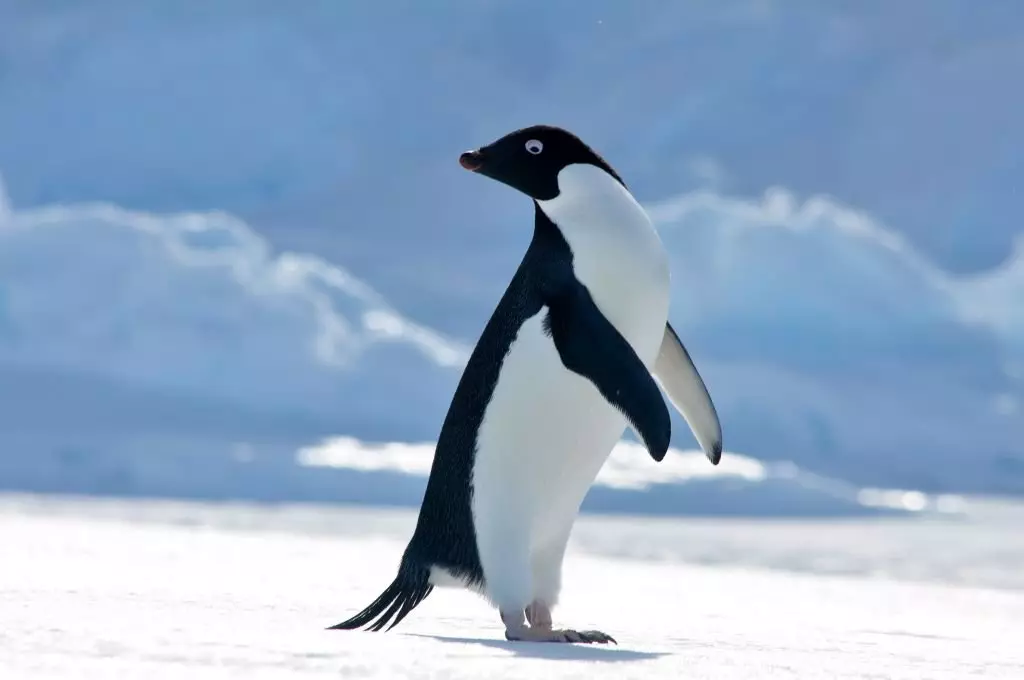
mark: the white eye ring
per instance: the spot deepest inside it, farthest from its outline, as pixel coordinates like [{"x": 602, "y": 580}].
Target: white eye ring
[{"x": 534, "y": 146}]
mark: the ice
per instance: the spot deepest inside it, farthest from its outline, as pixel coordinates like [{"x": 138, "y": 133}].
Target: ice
[
  {"x": 109, "y": 590},
  {"x": 682, "y": 483},
  {"x": 808, "y": 321},
  {"x": 112, "y": 320}
]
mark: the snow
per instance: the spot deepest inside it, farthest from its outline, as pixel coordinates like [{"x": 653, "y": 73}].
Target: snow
[
  {"x": 117, "y": 589},
  {"x": 240, "y": 268}
]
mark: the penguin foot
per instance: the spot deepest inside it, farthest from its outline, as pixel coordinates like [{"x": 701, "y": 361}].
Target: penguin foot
[
  {"x": 530, "y": 634},
  {"x": 538, "y": 615},
  {"x": 540, "y": 630}
]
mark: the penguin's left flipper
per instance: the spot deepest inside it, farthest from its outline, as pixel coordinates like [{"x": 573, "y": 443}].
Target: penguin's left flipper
[
  {"x": 592, "y": 347},
  {"x": 685, "y": 388}
]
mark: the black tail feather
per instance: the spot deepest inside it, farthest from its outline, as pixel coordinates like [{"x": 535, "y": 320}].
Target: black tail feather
[{"x": 410, "y": 587}]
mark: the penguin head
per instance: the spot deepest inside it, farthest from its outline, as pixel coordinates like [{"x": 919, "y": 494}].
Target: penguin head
[{"x": 530, "y": 159}]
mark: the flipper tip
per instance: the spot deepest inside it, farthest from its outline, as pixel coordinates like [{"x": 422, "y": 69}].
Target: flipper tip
[{"x": 715, "y": 452}]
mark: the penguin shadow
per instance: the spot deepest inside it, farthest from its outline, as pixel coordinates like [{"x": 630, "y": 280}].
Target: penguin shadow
[{"x": 553, "y": 651}]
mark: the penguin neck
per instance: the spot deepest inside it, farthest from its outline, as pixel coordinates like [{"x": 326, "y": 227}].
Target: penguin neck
[
  {"x": 604, "y": 227},
  {"x": 593, "y": 208},
  {"x": 614, "y": 251},
  {"x": 547, "y": 236}
]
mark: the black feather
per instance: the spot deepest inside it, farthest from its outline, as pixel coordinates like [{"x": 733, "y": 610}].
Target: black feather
[{"x": 410, "y": 587}]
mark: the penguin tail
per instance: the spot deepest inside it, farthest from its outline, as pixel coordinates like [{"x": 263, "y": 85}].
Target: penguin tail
[{"x": 410, "y": 587}]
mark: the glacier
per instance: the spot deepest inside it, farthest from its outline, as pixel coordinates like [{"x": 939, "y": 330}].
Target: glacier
[
  {"x": 229, "y": 236},
  {"x": 140, "y": 347}
]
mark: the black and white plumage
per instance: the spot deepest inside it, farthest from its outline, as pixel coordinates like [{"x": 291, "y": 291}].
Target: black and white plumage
[{"x": 566, "y": 362}]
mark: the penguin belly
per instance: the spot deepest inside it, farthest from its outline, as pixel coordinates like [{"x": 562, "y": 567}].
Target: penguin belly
[{"x": 544, "y": 436}]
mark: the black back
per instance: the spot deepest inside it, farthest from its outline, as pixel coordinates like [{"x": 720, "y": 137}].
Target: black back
[{"x": 444, "y": 534}]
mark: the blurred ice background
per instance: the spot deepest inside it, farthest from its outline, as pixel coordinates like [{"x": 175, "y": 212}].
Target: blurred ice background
[{"x": 238, "y": 259}]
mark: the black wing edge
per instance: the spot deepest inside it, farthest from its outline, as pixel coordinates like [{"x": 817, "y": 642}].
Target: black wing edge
[
  {"x": 410, "y": 587},
  {"x": 591, "y": 346}
]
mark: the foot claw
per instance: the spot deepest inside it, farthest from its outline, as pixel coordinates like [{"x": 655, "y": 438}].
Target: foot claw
[
  {"x": 564, "y": 635},
  {"x": 597, "y": 636}
]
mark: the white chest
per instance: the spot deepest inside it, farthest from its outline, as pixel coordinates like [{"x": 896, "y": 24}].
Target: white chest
[{"x": 617, "y": 254}]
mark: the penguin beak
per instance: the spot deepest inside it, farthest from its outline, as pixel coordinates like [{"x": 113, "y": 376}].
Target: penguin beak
[{"x": 472, "y": 160}]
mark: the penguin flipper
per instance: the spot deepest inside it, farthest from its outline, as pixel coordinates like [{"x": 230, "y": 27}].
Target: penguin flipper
[
  {"x": 589, "y": 345},
  {"x": 686, "y": 390}
]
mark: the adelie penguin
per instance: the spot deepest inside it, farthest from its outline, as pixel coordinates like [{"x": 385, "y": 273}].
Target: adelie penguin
[{"x": 567, "y": 360}]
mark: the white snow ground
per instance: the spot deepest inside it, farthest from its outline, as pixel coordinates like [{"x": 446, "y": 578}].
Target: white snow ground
[{"x": 142, "y": 589}]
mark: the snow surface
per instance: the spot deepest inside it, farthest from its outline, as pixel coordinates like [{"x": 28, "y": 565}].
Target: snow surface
[{"x": 111, "y": 589}]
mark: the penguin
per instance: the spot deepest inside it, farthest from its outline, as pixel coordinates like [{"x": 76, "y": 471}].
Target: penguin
[{"x": 572, "y": 355}]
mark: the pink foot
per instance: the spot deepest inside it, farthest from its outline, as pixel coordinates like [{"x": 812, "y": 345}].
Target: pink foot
[{"x": 540, "y": 630}]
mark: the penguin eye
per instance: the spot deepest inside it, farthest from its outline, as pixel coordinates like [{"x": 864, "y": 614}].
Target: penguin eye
[{"x": 534, "y": 146}]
